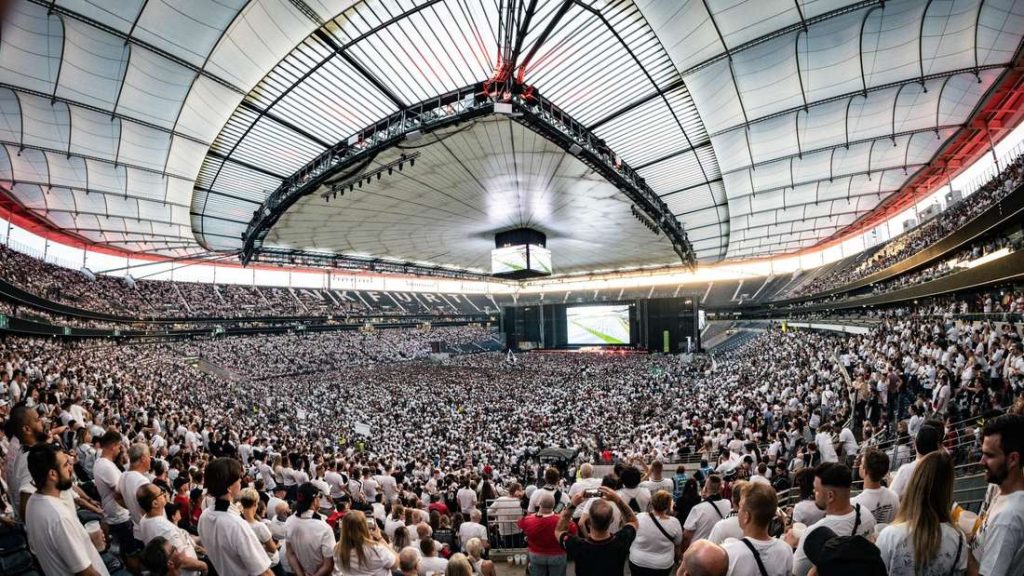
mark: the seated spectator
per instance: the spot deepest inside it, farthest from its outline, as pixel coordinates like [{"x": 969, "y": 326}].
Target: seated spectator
[
  {"x": 806, "y": 511},
  {"x": 153, "y": 501},
  {"x": 55, "y": 535}
]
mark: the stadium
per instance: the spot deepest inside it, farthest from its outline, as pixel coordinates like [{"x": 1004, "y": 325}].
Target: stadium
[{"x": 464, "y": 288}]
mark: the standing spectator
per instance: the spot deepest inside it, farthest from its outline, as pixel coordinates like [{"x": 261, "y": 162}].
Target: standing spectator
[
  {"x": 128, "y": 485},
  {"x": 107, "y": 478},
  {"x": 466, "y": 497},
  {"x": 756, "y": 552},
  {"x": 923, "y": 540},
  {"x": 506, "y": 511},
  {"x": 637, "y": 498},
  {"x": 472, "y": 528},
  {"x": 601, "y": 553},
  {"x": 832, "y": 493},
  {"x": 546, "y": 555},
  {"x": 658, "y": 539},
  {"x": 730, "y": 527},
  {"x": 927, "y": 441},
  {"x": 250, "y": 501},
  {"x": 227, "y": 537},
  {"x": 881, "y": 501},
  {"x": 310, "y": 539},
  {"x": 998, "y": 549},
  {"x": 55, "y": 535},
  {"x": 703, "y": 516},
  {"x": 704, "y": 558},
  {"x": 656, "y": 481},
  {"x": 552, "y": 478},
  {"x": 362, "y": 551}
]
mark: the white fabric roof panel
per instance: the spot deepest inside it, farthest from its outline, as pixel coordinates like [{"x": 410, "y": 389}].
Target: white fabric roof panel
[{"x": 765, "y": 99}]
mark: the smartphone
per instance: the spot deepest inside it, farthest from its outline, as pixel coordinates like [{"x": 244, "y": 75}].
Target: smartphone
[{"x": 594, "y": 493}]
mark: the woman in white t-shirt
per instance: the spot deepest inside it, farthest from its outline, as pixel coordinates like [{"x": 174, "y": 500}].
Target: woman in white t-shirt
[
  {"x": 361, "y": 550},
  {"x": 658, "y": 537},
  {"x": 923, "y": 541},
  {"x": 250, "y": 500}
]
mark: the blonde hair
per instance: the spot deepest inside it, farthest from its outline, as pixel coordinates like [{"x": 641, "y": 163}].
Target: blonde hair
[
  {"x": 458, "y": 565},
  {"x": 926, "y": 506},
  {"x": 354, "y": 537},
  {"x": 248, "y": 497},
  {"x": 474, "y": 547}
]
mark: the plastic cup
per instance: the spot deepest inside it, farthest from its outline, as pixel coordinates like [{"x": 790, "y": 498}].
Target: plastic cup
[
  {"x": 967, "y": 521},
  {"x": 798, "y": 529},
  {"x": 95, "y": 532}
]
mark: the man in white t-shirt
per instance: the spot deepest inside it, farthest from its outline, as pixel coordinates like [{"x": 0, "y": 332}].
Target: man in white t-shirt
[
  {"x": 756, "y": 548},
  {"x": 832, "y": 493},
  {"x": 926, "y": 442},
  {"x": 506, "y": 511},
  {"x": 702, "y": 517},
  {"x": 656, "y": 481},
  {"x": 135, "y": 477},
  {"x": 998, "y": 549},
  {"x": 882, "y": 502},
  {"x": 56, "y": 537},
  {"x": 473, "y": 529},
  {"x": 586, "y": 480},
  {"x": 551, "y": 480},
  {"x": 107, "y": 477},
  {"x": 825, "y": 447},
  {"x": 230, "y": 542},
  {"x": 155, "y": 523},
  {"x": 466, "y": 497},
  {"x": 28, "y": 429}
]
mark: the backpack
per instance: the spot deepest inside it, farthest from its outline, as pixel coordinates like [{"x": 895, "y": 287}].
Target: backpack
[{"x": 634, "y": 505}]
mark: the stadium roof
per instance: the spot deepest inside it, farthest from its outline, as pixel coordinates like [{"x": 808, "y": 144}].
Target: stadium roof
[{"x": 765, "y": 126}]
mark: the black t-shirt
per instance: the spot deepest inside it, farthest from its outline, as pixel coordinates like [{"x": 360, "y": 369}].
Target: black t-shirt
[{"x": 604, "y": 558}]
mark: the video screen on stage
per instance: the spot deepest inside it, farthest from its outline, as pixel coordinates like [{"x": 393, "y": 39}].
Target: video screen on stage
[{"x": 598, "y": 324}]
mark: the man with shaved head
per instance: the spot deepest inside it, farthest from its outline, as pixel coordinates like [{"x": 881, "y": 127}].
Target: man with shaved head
[
  {"x": 704, "y": 558},
  {"x": 601, "y": 553},
  {"x": 409, "y": 561}
]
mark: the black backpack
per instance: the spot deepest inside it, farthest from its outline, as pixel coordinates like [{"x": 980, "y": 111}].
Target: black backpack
[{"x": 634, "y": 505}]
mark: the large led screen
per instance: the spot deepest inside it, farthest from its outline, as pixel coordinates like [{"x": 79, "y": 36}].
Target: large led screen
[
  {"x": 598, "y": 324},
  {"x": 510, "y": 259}
]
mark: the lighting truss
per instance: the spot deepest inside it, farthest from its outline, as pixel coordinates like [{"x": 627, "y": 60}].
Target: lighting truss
[
  {"x": 331, "y": 260},
  {"x": 524, "y": 106}
]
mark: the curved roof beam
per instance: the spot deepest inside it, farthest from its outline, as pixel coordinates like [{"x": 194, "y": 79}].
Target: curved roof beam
[
  {"x": 920, "y": 42},
  {"x": 833, "y": 147},
  {"x": 870, "y": 90},
  {"x": 848, "y": 198},
  {"x": 835, "y": 176},
  {"x": 128, "y": 39},
  {"x": 96, "y": 159},
  {"x": 100, "y": 192},
  {"x": 860, "y": 50},
  {"x": 977, "y": 26}
]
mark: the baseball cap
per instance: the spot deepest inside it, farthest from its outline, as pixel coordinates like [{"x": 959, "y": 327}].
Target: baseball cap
[{"x": 834, "y": 555}]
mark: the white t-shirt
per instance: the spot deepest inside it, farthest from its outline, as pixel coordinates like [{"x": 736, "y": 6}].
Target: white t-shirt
[
  {"x": 584, "y": 484},
  {"x": 432, "y": 565},
  {"x": 725, "y": 529},
  {"x": 902, "y": 477},
  {"x": 150, "y": 528},
  {"x": 882, "y": 502},
  {"x": 807, "y": 512},
  {"x": 776, "y": 556},
  {"x": 506, "y": 511},
  {"x": 652, "y": 486},
  {"x": 58, "y": 539},
  {"x": 336, "y": 482},
  {"x": 20, "y": 480},
  {"x": 643, "y": 497},
  {"x": 379, "y": 560},
  {"x": 897, "y": 551},
  {"x": 130, "y": 482},
  {"x": 107, "y": 476},
  {"x": 534, "y": 504},
  {"x": 651, "y": 549},
  {"x": 848, "y": 441},
  {"x": 703, "y": 517},
  {"x": 310, "y": 539},
  {"x": 388, "y": 486},
  {"x": 470, "y": 530},
  {"x": 467, "y": 500},
  {"x": 825, "y": 447},
  {"x": 841, "y": 525},
  {"x": 1002, "y": 546},
  {"x": 231, "y": 544}
]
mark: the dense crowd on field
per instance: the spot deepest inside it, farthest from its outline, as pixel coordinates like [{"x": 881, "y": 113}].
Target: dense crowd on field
[
  {"x": 351, "y": 453},
  {"x": 921, "y": 237}
]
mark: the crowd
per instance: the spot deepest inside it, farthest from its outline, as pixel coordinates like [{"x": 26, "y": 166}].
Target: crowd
[
  {"x": 921, "y": 237},
  {"x": 147, "y": 299},
  {"x": 275, "y": 463}
]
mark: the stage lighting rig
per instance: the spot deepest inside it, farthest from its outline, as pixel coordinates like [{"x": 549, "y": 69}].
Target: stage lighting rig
[{"x": 336, "y": 188}]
